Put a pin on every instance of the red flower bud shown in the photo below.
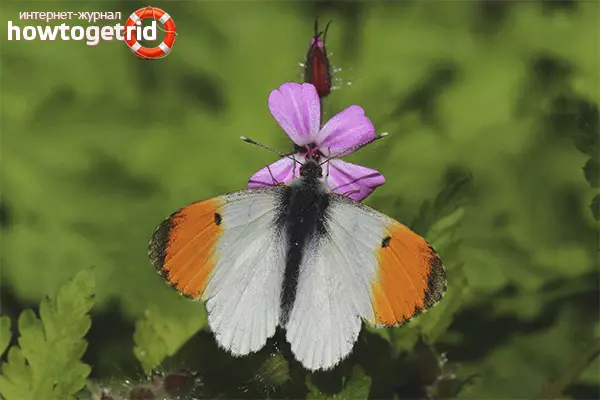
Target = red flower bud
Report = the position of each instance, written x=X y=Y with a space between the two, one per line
x=316 y=68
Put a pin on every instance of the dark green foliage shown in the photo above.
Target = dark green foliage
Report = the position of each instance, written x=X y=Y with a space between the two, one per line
x=356 y=386
x=492 y=110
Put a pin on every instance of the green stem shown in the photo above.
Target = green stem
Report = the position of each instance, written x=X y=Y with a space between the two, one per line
x=564 y=380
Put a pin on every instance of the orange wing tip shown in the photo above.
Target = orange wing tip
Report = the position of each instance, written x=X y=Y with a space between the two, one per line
x=157 y=252
x=411 y=277
x=182 y=248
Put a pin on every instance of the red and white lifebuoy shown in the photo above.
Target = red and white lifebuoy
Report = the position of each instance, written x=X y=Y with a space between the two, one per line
x=169 y=27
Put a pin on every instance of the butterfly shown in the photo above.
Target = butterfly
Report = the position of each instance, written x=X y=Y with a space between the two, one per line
x=297 y=256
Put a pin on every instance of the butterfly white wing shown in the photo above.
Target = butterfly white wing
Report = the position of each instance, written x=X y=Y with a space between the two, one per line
x=367 y=266
x=229 y=251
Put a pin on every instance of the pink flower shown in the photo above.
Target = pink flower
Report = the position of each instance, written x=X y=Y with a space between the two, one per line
x=296 y=107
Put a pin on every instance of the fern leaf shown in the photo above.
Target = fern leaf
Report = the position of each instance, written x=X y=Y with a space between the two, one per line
x=46 y=363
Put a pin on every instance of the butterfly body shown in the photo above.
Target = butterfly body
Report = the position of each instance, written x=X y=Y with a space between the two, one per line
x=297 y=256
x=304 y=205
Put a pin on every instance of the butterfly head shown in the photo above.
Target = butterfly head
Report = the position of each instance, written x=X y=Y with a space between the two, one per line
x=311 y=170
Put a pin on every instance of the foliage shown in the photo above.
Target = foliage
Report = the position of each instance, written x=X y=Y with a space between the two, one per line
x=355 y=387
x=46 y=363
x=158 y=336
x=492 y=110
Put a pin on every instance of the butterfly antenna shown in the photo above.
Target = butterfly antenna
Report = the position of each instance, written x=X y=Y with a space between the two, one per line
x=248 y=140
x=355 y=148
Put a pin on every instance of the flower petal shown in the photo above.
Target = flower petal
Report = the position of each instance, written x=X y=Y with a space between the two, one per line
x=347 y=128
x=352 y=180
x=283 y=170
x=297 y=109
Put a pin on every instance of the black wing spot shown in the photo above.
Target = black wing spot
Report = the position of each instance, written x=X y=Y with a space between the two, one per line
x=386 y=242
x=218 y=219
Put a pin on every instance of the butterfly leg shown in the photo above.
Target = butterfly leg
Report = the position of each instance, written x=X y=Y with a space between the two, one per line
x=294 y=170
x=351 y=192
x=327 y=168
x=372 y=175
x=275 y=182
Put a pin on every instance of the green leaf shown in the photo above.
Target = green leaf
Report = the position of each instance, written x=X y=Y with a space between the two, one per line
x=442 y=233
x=357 y=386
x=46 y=363
x=457 y=185
x=274 y=371
x=5 y=333
x=160 y=334
x=16 y=379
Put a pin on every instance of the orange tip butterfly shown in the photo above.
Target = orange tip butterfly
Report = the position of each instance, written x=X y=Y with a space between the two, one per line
x=300 y=257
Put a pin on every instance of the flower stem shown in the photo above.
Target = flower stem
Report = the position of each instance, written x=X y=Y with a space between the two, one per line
x=564 y=380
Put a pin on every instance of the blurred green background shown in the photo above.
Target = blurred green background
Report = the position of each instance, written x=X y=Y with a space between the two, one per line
x=492 y=110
